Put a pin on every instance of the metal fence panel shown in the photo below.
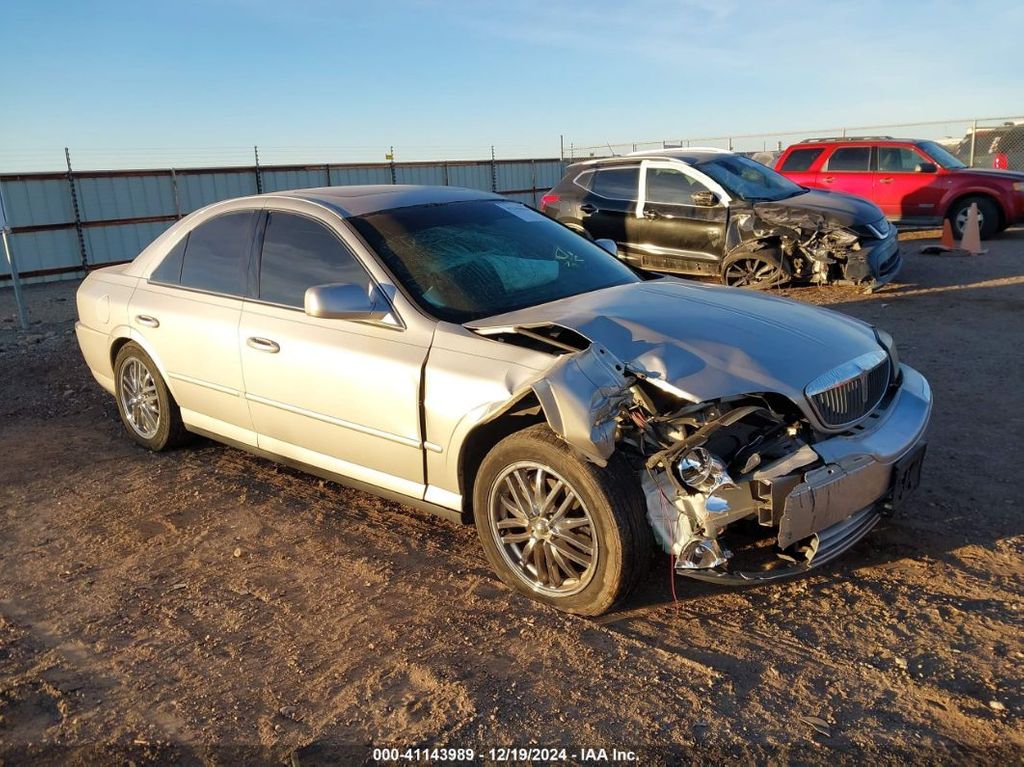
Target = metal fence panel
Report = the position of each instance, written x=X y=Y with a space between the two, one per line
x=108 y=198
x=420 y=174
x=196 y=190
x=35 y=202
x=43 y=251
x=114 y=244
x=471 y=175
x=346 y=175
x=280 y=179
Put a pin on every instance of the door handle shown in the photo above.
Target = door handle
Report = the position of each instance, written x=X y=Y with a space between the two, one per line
x=148 y=321
x=885 y=180
x=588 y=208
x=828 y=179
x=263 y=345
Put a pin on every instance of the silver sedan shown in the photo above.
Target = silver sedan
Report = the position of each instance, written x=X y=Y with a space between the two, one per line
x=463 y=353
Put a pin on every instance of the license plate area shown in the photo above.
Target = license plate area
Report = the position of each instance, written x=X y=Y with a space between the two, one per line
x=906 y=476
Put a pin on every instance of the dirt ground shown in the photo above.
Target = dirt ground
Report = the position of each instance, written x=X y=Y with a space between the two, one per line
x=206 y=606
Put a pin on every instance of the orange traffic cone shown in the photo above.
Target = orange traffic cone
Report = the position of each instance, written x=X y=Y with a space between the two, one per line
x=947 y=235
x=971 y=241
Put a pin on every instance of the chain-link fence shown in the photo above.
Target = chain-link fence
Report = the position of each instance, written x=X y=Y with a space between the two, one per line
x=989 y=142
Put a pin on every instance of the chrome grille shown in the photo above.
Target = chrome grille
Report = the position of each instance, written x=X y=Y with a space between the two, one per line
x=851 y=391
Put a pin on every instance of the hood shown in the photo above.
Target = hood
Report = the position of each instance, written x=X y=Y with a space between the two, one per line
x=842 y=209
x=990 y=173
x=706 y=342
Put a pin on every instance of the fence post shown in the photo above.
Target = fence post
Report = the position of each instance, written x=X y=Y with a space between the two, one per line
x=561 y=147
x=174 y=188
x=974 y=136
x=327 y=172
x=391 y=159
x=77 y=212
x=445 y=165
x=494 y=172
x=259 y=176
x=15 y=279
x=533 y=182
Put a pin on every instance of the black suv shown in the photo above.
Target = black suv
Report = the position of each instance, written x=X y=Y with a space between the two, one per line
x=713 y=213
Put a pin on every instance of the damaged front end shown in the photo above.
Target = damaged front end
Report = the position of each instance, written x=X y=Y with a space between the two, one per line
x=739 y=489
x=818 y=248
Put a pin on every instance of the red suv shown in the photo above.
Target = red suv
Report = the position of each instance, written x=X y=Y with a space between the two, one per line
x=912 y=181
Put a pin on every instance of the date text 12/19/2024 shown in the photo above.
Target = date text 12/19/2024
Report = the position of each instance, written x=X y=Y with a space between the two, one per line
x=503 y=754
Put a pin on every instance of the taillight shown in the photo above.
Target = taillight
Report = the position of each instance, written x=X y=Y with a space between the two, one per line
x=548 y=199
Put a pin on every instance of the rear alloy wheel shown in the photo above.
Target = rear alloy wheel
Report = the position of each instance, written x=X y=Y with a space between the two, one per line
x=988 y=216
x=558 y=528
x=758 y=270
x=148 y=411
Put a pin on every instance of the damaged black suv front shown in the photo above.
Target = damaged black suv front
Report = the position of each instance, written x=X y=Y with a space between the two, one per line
x=712 y=213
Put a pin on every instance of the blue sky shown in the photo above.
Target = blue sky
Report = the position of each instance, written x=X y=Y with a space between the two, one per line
x=143 y=84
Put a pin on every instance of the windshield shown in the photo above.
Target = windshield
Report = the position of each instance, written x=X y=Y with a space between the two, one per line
x=467 y=260
x=749 y=180
x=941 y=155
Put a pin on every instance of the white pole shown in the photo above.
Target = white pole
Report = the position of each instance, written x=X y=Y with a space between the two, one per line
x=15 y=280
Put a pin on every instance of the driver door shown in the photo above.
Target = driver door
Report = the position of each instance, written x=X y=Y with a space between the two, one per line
x=670 y=223
x=341 y=395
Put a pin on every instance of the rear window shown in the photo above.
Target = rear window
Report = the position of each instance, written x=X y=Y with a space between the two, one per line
x=850 y=158
x=616 y=183
x=801 y=159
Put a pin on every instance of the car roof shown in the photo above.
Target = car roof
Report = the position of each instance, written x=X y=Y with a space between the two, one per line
x=362 y=200
x=843 y=141
x=691 y=156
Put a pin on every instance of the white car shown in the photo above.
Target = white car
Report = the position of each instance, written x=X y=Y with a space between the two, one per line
x=466 y=354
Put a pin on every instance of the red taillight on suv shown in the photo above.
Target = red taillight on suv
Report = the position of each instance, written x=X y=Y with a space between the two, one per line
x=548 y=199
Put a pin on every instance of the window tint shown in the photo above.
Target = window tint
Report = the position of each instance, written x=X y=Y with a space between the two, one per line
x=169 y=270
x=801 y=159
x=585 y=179
x=670 y=186
x=217 y=253
x=851 y=158
x=616 y=183
x=299 y=253
x=896 y=159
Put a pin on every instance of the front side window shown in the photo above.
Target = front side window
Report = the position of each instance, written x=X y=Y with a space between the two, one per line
x=616 y=183
x=299 y=253
x=898 y=159
x=668 y=185
x=467 y=260
x=850 y=159
x=800 y=160
x=217 y=254
x=941 y=155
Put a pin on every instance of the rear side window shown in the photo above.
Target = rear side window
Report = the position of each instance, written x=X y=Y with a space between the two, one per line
x=169 y=270
x=217 y=254
x=299 y=253
x=616 y=183
x=850 y=158
x=801 y=159
x=584 y=179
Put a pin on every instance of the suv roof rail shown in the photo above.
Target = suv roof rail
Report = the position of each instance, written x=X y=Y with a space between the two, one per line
x=846 y=138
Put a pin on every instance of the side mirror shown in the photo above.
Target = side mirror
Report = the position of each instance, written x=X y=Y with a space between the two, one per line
x=925 y=167
x=608 y=245
x=704 y=198
x=341 y=301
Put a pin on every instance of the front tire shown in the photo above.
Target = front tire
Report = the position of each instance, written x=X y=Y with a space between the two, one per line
x=758 y=269
x=148 y=411
x=988 y=216
x=557 y=528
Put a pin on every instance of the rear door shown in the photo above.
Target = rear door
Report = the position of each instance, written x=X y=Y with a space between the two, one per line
x=342 y=395
x=188 y=314
x=901 y=191
x=608 y=208
x=849 y=169
x=670 y=225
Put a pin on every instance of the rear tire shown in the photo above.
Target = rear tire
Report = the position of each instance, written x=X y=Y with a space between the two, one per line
x=988 y=216
x=148 y=411
x=583 y=560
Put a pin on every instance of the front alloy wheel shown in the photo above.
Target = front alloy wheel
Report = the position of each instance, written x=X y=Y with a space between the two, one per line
x=754 y=270
x=558 y=528
x=542 y=529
